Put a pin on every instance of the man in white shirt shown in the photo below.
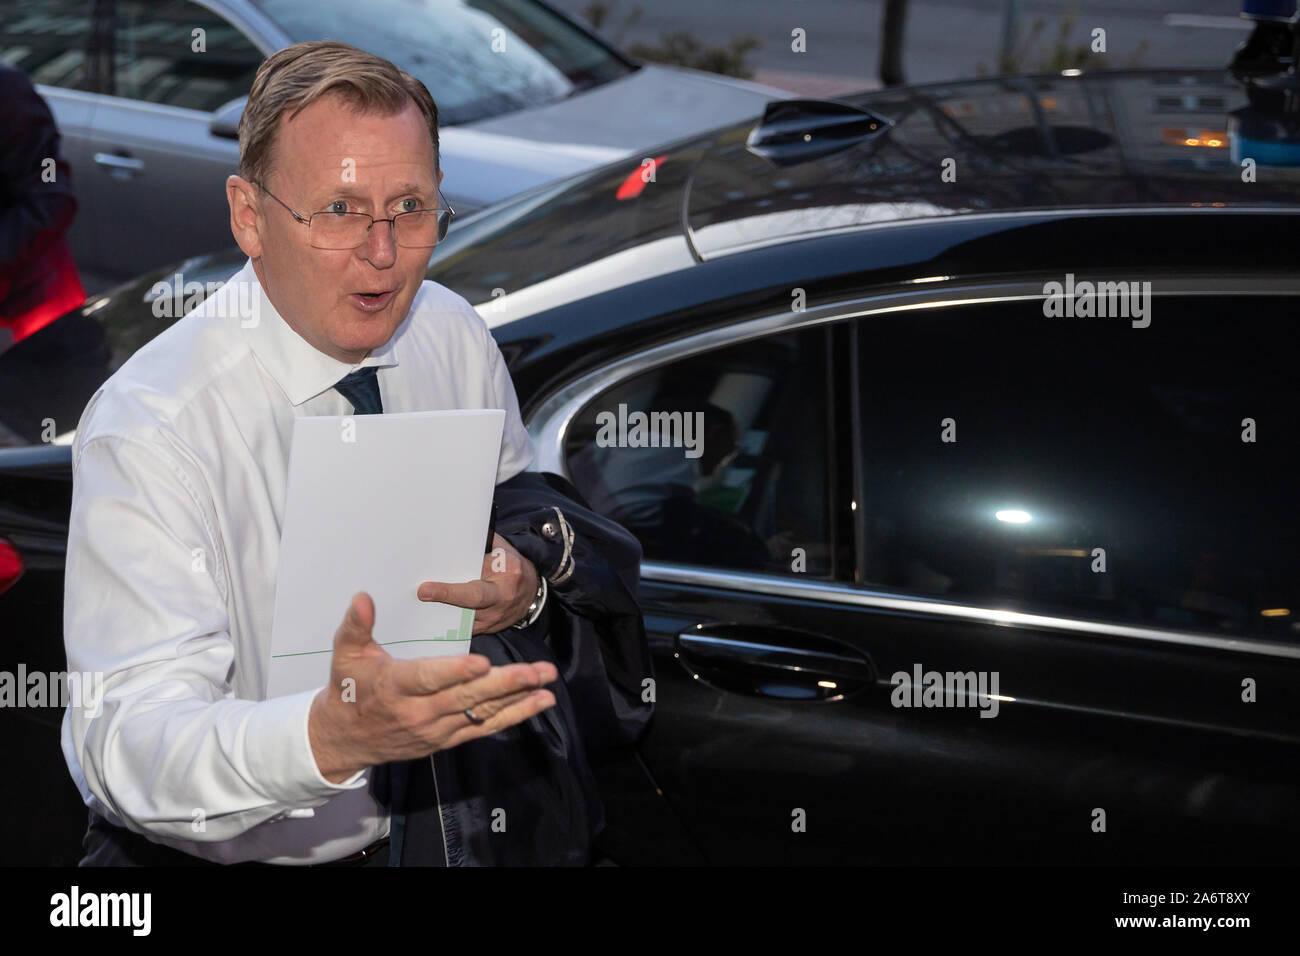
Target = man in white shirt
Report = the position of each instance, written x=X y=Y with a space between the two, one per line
x=180 y=467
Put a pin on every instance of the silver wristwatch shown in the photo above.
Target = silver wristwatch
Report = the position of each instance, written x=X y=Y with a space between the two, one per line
x=535 y=609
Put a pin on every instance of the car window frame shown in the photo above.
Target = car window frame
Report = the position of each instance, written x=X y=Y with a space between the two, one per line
x=550 y=416
x=839 y=531
x=1228 y=284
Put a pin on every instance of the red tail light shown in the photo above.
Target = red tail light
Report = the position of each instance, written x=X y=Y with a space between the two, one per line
x=11 y=565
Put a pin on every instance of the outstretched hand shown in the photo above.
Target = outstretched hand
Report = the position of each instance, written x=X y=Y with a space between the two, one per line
x=406 y=709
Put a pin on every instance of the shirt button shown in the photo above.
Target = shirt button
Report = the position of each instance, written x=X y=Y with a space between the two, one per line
x=550 y=530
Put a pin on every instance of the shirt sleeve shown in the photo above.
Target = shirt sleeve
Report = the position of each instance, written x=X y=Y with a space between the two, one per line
x=517 y=453
x=165 y=745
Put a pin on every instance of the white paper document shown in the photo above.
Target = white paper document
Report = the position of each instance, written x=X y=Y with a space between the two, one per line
x=380 y=503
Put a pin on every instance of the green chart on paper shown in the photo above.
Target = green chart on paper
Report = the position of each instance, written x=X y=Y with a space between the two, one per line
x=463 y=633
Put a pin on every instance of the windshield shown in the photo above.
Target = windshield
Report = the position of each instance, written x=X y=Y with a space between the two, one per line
x=478 y=59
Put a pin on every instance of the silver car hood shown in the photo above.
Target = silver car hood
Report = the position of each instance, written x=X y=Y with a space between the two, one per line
x=496 y=158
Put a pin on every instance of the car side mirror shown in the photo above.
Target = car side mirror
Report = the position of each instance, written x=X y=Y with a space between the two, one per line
x=225 y=119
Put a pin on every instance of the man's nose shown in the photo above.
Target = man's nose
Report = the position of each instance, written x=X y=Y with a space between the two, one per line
x=380 y=247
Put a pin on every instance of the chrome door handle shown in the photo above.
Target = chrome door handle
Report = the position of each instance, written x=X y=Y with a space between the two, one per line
x=768 y=661
x=127 y=164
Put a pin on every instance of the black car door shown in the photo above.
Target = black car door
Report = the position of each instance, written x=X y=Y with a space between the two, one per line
x=1098 y=501
x=967 y=683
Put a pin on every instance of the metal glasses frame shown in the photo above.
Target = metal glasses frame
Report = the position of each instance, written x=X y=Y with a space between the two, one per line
x=444 y=211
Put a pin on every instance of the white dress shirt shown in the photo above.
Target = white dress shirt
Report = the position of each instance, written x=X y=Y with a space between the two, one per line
x=180 y=466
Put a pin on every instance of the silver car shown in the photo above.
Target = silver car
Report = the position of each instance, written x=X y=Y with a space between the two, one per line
x=148 y=95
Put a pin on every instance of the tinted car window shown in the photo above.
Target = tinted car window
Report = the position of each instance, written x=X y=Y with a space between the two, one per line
x=718 y=459
x=478 y=59
x=1073 y=441
x=159 y=57
x=47 y=39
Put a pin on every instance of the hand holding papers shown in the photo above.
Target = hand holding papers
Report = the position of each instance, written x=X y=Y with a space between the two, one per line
x=380 y=503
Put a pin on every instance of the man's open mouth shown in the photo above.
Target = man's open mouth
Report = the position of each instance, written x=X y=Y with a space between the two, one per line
x=371 y=301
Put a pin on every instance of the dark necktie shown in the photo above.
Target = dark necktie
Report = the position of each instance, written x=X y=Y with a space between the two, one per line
x=361 y=388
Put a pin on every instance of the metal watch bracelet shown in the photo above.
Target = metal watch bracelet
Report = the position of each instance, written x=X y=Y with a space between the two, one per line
x=535 y=609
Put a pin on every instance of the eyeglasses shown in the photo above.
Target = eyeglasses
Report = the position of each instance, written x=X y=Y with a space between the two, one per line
x=417 y=229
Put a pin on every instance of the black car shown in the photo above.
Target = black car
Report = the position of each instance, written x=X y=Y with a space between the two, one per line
x=957 y=423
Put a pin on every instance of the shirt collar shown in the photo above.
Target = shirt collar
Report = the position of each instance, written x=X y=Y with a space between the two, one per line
x=300 y=369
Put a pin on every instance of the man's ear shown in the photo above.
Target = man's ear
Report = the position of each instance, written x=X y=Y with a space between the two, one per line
x=245 y=216
x=440 y=172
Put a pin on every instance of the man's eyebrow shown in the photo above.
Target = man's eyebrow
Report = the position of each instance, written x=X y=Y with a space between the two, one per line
x=400 y=190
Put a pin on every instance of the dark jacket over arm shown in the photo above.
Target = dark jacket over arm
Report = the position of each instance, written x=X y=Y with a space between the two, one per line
x=526 y=796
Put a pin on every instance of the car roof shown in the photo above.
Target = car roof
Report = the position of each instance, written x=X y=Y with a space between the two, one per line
x=1251 y=248
x=1133 y=140
x=1143 y=138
